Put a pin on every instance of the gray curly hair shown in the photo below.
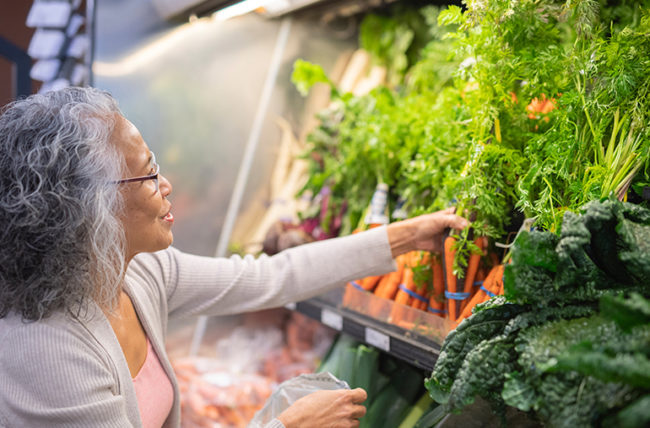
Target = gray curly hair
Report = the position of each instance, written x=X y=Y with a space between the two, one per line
x=62 y=243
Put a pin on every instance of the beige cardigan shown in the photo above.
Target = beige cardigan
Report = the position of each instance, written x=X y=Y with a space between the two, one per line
x=71 y=372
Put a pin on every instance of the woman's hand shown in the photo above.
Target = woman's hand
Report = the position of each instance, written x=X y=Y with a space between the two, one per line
x=423 y=232
x=340 y=408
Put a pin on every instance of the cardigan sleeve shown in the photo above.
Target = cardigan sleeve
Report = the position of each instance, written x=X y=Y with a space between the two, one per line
x=197 y=285
x=51 y=377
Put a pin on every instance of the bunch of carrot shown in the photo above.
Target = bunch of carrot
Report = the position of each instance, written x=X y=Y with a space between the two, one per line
x=460 y=290
x=409 y=285
x=479 y=283
x=417 y=282
x=426 y=281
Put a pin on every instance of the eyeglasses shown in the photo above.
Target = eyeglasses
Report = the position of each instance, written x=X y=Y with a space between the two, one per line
x=153 y=165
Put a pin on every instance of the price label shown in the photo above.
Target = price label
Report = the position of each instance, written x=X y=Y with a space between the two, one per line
x=331 y=319
x=291 y=306
x=377 y=339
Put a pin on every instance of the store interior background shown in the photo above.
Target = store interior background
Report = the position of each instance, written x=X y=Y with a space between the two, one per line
x=193 y=87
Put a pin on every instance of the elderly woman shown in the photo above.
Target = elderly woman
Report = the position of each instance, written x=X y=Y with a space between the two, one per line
x=88 y=279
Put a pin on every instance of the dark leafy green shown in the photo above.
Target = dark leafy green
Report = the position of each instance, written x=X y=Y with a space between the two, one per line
x=635 y=415
x=483 y=373
x=486 y=323
x=566 y=399
x=631 y=369
x=627 y=313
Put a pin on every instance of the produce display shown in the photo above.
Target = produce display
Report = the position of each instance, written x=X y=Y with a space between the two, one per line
x=529 y=117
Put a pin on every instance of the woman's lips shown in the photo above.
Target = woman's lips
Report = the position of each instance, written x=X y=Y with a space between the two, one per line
x=169 y=217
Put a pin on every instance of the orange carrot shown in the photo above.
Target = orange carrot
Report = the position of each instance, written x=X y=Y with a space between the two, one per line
x=498 y=289
x=478 y=281
x=450 y=278
x=473 y=263
x=370 y=282
x=479 y=297
x=436 y=300
x=492 y=286
x=402 y=296
x=381 y=285
x=422 y=258
x=392 y=285
x=472 y=268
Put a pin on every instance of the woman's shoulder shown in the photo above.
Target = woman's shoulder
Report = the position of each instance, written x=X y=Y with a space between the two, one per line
x=57 y=330
x=59 y=366
x=153 y=267
x=58 y=344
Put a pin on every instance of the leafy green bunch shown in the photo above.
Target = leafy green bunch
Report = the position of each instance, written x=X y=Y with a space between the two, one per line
x=597 y=142
x=395 y=40
x=557 y=96
x=514 y=55
x=547 y=347
x=512 y=109
x=409 y=140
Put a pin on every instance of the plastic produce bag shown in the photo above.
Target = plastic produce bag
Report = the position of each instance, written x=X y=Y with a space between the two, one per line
x=292 y=390
x=244 y=350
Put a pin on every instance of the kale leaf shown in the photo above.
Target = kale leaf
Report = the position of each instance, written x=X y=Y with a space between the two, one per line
x=484 y=324
x=568 y=398
x=631 y=369
x=530 y=276
x=635 y=415
x=483 y=373
x=627 y=313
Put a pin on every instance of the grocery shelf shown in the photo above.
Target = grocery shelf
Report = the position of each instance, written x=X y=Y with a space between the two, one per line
x=417 y=350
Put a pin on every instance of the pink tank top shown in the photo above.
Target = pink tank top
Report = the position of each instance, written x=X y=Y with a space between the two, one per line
x=154 y=391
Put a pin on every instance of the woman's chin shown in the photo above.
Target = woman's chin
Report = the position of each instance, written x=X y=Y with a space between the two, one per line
x=170 y=240
x=164 y=243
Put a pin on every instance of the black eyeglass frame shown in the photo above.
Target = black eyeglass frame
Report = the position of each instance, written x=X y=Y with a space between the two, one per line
x=153 y=176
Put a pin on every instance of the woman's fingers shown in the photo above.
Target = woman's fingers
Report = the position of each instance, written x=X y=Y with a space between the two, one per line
x=328 y=408
x=455 y=222
x=423 y=232
x=358 y=395
x=358 y=411
x=449 y=210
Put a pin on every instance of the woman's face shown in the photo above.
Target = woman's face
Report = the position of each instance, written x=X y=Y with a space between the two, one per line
x=147 y=218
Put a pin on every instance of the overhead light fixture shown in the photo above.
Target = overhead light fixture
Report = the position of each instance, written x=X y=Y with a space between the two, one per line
x=241 y=8
x=271 y=8
x=222 y=10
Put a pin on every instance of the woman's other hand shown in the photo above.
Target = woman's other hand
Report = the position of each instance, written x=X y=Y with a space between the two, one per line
x=423 y=232
x=340 y=408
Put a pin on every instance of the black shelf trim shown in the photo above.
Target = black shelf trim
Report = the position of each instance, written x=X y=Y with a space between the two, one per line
x=414 y=349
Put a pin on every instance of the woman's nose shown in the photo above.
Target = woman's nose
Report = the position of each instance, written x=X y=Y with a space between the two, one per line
x=164 y=185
